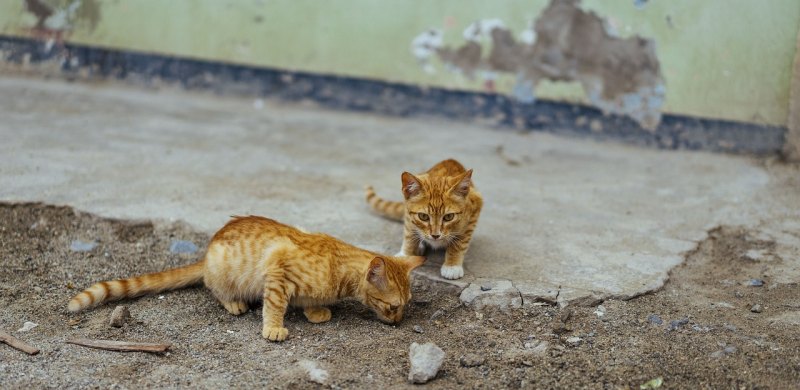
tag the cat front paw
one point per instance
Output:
(452, 271)
(275, 333)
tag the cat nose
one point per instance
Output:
(436, 236)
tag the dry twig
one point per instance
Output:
(16, 343)
(121, 346)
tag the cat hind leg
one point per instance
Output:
(235, 307)
(317, 315)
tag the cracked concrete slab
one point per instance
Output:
(564, 221)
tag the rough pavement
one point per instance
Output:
(564, 220)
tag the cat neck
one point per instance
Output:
(353, 272)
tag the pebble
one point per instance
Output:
(425, 362)
(756, 308)
(600, 312)
(27, 326)
(486, 286)
(119, 316)
(438, 313)
(724, 352)
(574, 340)
(418, 329)
(675, 324)
(540, 349)
(81, 246)
(472, 360)
(315, 373)
(182, 246)
(37, 289)
(654, 319)
(755, 282)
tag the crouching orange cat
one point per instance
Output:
(440, 211)
(254, 258)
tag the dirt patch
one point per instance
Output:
(707, 337)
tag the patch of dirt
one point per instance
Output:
(708, 336)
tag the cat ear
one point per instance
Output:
(376, 274)
(411, 186)
(414, 262)
(462, 187)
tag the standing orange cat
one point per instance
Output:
(441, 210)
(253, 258)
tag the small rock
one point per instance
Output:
(730, 327)
(724, 305)
(486, 286)
(755, 254)
(425, 362)
(540, 349)
(755, 283)
(654, 319)
(472, 360)
(81, 246)
(756, 308)
(527, 363)
(438, 313)
(418, 329)
(600, 311)
(723, 352)
(119, 316)
(560, 327)
(315, 373)
(574, 340)
(565, 315)
(37, 289)
(27, 326)
(675, 324)
(738, 294)
(182, 246)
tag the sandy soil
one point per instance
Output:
(707, 337)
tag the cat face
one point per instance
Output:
(388, 288)
(436, 205)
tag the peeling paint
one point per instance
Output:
(619, 76)
(53, 16)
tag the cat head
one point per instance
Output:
(436, 204)
(388, 286)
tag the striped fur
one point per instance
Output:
(440, 211)
(386, 208)
(136, 286)
(255, 258)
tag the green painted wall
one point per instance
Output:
(727, 59)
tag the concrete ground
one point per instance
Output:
(564, 220)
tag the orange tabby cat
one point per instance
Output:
(441, 210)
(254, 258)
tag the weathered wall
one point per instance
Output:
(725, 59)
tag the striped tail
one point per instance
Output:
(139, 285)
(386, 208)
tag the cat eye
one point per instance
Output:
(448, 217)
(423, 217)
